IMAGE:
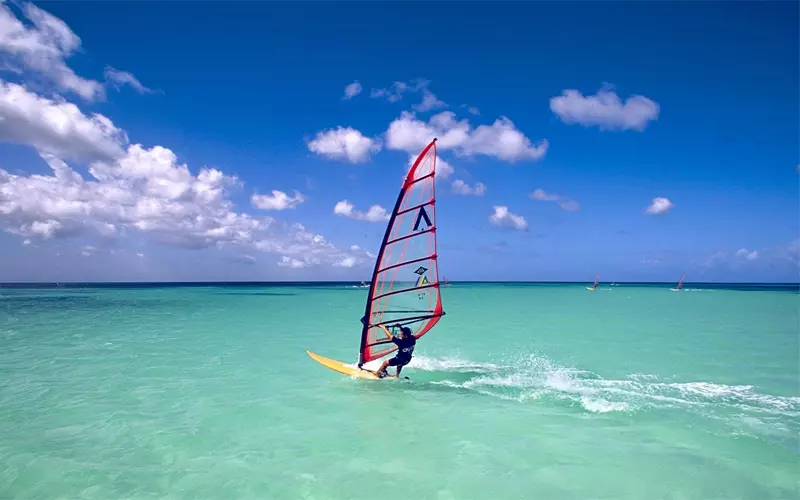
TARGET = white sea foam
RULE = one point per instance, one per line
(533, 377)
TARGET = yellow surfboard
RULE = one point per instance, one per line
(338, 366)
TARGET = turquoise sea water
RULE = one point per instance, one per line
(521, 391)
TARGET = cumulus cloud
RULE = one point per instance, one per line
(659, 206)
(298, 244)
(461, 187)
(145, 191)
(351, 90)
(564, 202)
(56, 126)
(42, 48)
(344, 143)
(278, 200)
(500, 140)
(292, 263)
(746, 254)
(119, 78)
(605, 110)
(375, 213)
(504, 218)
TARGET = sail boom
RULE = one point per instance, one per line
(411, 319)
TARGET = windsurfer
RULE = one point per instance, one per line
(405, 348)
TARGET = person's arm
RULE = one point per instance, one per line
(391, 336)
(387, 331)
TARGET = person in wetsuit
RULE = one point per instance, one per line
(405, 348)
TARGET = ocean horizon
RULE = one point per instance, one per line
(781, 284)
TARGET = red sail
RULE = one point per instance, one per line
(405, 283)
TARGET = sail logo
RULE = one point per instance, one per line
(422, 215)
(421, 281)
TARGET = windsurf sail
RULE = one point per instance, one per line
(680, 283)
(596, 281)
(405, 282)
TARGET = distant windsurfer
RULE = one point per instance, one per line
(405, 348)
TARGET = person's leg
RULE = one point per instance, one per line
(381, 372)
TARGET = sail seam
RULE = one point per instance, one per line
(421, 259)
(411, 209)
(431, 230)
(394, 292)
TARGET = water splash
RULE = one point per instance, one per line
(533, 377)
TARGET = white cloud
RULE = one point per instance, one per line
(540, 194)
(56, 126)
(501, 140)
(429, 102)
(119, 78)
(473, 110)
(502, 217)
(605, 110)
(293, 263)
(392, 94)
(569, 205)
(139, 254)
(144, 190)
(398, 90)
(461, 187)
(42, 48)
(564, 202)
(301, 245)
(375, 213)
(352, 90)
(345, 262)
(344, 143)
(147, 191)
(659, 206)
(277, 201)
(745, 254)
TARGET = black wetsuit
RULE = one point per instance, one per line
(405, 348)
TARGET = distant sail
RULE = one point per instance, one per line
(596, 281)
(680, 283)
(405, 282)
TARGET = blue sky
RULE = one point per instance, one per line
(602, 106)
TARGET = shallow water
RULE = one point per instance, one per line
(521, 391)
